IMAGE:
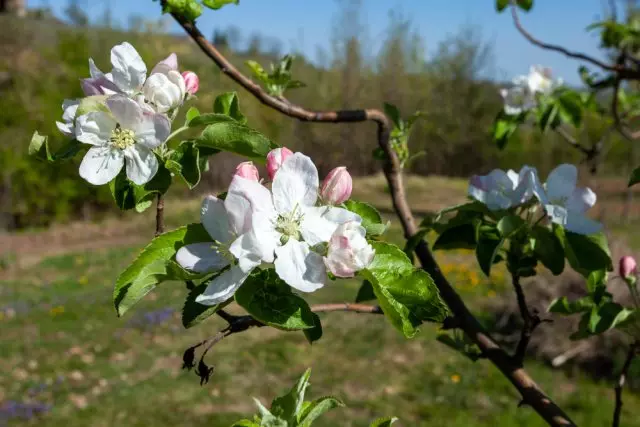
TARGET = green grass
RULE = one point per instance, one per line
(61, 343)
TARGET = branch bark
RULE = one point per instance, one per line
(531, 393)
(617, 412)
(530, 322)
(159, 215)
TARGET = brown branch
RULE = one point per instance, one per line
(617, 412)
(530, 322)
(569, 139)
(622, 71)
(160, 215)
(531, 393)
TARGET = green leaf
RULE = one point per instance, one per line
(585, 253)
(245, 423)
(185, 162)
(414, 241)
(563, 306)
(407, 295)
(487, 248)
(570, 107)
(258, 71)
(210, 118)
(217, 4)
(503, 128)
(229, 104)
(128, 195)
(39, 148)
(393, 113)
(384, 422)
(365, 293)
(609, 316)
(289, 405)
(317, 408)
(149, 268)
(236, 138)
(270, 300)
(371, 218)
(548, 117)
(461, 236)
(194, 313)
(635, 177)
(509, 225)
(501, 5)
(461, 344)
(597, 279)
(314, 334)
(191, 114)
(548, 249)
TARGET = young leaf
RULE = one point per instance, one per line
(393, 113)
(209, 119)
(149, 268)
(371, 218)
(585, 253)
(217, 4)
(384, 422)
(193, 312)
(508, 225)
(245, 423)
(289, 405)
(317, 408)
(407, 295)
(270, 300)
(236, 138)
(548, 249)
(185, 162)
(128, 195)
(229, 104)
(563, 306)
(608, 316)
(39, 148)
(191, 114)
(487, 251)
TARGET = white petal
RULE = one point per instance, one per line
(201, 258)
(176, 78)
(264, 232)
(166, 65)
(299, 267)
(338, 215)
(316, 228)
(248, 250)
(142, 164)
(581, 224)
(513, 177)
(581, 200)
(66, 128)
(70, 108)
(129, 70)
(152, 130)
(561, 182)
(95, 128)
(213, 216)
(101, 164)
(497, 201)
(500, 180)
(223, 287)
(244, 199)
(295, 184)
(126, 111)
(94, 71)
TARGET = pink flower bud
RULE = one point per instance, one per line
(191, 81)
(628, 267)
(275, 159)
(348, 250)
(337, 186)
(248, 171)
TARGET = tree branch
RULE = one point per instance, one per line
(530, 322)
(531, 393)
(619, 386)
(160, 215)
(572, 141)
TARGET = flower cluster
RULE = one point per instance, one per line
(522, 95)
(564, 203)
(126, 114)
(288, 226)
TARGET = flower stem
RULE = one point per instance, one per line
(176, 132)
(160, 215)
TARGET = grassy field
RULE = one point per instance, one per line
(67, 360)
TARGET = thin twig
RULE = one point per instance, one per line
(569, 139)
(530, 321)
(160, 215)
(531, 393)
(620, 385)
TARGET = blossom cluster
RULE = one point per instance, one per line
(563, 201)
(521, 96)
(126, 114)
(295, 225)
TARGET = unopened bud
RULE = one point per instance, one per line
(248, 171)
(337, 186)
(192, 82)
(275, 159)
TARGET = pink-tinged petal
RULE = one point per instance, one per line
(244, 199)
(101, 164)
(275, 158)
(627, 267)
(191, 81)
(296, 184)
(299, 267)
(248, 171)
(201, 258)
(141, 164)
(337, 186)
(170, 63)
(223, 287)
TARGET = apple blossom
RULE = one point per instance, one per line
(287, 226)
(502, 190)
(349, 250)
(226, 222)
(69, 108)
(127, 75)
(165, 91)
(337, 186)
(275, 158)
(565, 203)
(248, 171)
(191, 81)
(126, 135)
(628, 267)
(540, 80)
(517, 99)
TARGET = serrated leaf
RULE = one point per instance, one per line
(149, 268)
(270, 300)
(317, 408)
(185, 162)
(229, 104)
(371, 218)
(194, 313)
(258, 71)
(407, 295)
(236, 138)
(289, 405)
(384, 422)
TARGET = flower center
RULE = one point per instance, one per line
(122, 138)
(223, 250)
(289, 225)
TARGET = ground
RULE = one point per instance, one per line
(68, 360)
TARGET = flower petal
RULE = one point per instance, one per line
(201, 258)
(95, 128)
(581, 224)
(561, 182)
(142, 164)
(129, 70)
(315, 227)
(126, 111)
(166, 65)
(301, 268)
(215, 220)
(101, 164)
(581, 200)
(248, 250)
(264, 232)
(338, 215)
(295, 184)
(244, 199)
(223, 287)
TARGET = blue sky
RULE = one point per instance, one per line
(306, 25)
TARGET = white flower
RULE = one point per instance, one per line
(69, 108)
(287, 223)
(225, 221)
(565, 203)
(127, 135)
(349, 250)
(540, 80)
(127, 75)
(502, 190)
(165, 91)
(517, 99)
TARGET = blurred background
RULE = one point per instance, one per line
(66, 359)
